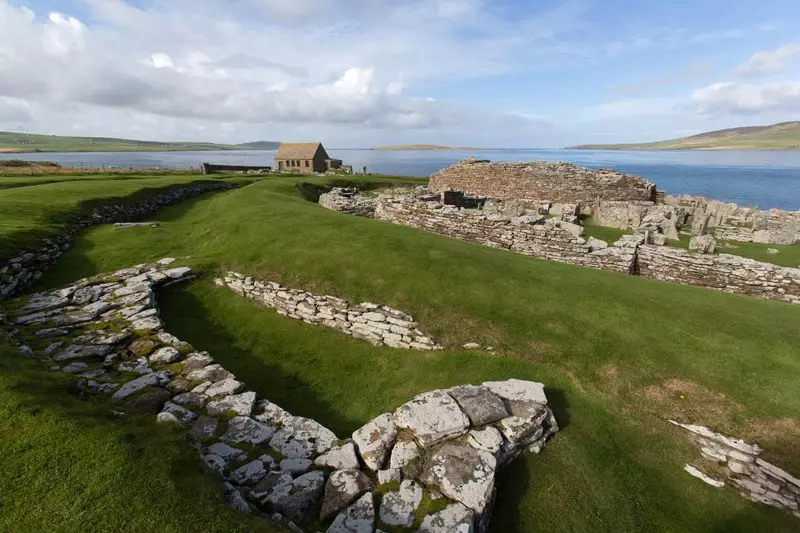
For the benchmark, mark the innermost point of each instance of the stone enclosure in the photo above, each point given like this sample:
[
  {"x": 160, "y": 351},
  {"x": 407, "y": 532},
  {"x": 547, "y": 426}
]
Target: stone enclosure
[
  {"x": 517, "y": 227},
  {"x": 429, "y": 466}
]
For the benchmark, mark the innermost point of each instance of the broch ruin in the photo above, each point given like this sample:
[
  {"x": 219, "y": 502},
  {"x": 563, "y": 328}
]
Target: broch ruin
[
  {"x": 536, "y": 209},
  {"x": 429, "y": 466}
]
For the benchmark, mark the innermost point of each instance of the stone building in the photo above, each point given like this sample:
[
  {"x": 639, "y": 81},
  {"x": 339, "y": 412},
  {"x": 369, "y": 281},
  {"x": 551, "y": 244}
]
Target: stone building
[
  {"x": 305, "y": 158},
  {"x": 541, "y": 181}
]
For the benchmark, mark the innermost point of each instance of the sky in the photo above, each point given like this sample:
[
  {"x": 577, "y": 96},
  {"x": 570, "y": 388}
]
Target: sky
[{"x": 363, "y": 73}]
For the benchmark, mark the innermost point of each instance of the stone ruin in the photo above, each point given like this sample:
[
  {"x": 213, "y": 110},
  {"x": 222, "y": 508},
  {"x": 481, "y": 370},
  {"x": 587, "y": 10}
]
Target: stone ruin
[
  {"x": 377, "y": 324},
  {"x": 757, "y": 480},
  {"x": 429, "y": 466},
  {"x": 549, "y": 231},
  {"x": 541, "y": 181}
]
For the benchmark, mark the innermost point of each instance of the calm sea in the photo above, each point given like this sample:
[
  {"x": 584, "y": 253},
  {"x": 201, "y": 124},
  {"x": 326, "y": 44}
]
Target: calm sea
[{"x": 762, "y": 179}]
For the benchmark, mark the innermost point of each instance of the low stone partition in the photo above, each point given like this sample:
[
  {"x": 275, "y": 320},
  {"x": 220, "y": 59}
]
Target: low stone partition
[
  {"x": 723, "y": 272},
  {"x": 377, "y": 324},
  {"x": 27, "y": 267},
  {"x": 538, "y": 236},
  {"x": 559, "y": 240},
  {"x": 428, "y": 466},
  {"x": 758, "y": 480},
  {"x": 541, "y": 180}
]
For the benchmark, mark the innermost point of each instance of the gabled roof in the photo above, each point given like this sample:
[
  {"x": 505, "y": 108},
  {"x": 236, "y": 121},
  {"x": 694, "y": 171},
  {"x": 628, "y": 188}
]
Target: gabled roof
[{"x": 299, "y": 151}]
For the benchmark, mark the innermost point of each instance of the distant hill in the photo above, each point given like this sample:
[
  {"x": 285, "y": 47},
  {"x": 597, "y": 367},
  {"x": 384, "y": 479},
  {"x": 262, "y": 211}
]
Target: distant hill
[
  {"x": 783, "y": 136},
  {"x": 423, "y": 147},
  {"x": 12, "y": 142},
  {"x": 259, "y": 145}
]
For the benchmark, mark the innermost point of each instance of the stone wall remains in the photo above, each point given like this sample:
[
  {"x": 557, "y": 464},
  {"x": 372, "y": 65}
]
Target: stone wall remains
[
  {"x": 27, "y": 267},
  {"x": 445, "y": 445},
  {"x": 757, "y": 480},
  {"x": 561, "y": 241},
  {"x": 377, "y": 324},
  {"x": 723, "y": 272},
  {"x": 541, "y": 181}
]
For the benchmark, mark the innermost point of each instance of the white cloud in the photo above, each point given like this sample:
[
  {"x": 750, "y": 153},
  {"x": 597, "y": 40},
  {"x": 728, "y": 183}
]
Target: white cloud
[
  {"x": 747, "y": 99},
  {"x": 766, "y": 63}
]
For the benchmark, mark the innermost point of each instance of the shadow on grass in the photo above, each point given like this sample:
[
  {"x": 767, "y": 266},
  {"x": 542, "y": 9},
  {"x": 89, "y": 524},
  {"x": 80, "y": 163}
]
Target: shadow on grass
[{"x": 184, "y": 316}]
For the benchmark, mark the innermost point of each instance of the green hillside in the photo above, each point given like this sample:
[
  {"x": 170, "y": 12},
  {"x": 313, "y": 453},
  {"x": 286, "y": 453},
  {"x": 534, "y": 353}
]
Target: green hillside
[
  {"x": 783, "y": 136},
  {"x": 27, "y": 142}
]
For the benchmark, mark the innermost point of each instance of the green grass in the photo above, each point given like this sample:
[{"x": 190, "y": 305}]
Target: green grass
[
  {"x": 26, "y": 142},
  {"x": 615, "y": 351},
  {"x": 788, "y": 256},
  {"x": 66, "y": 464},
  {"x": 783, "y": 136},
  {"x": 32, "y": 212},
  {"x": 609, "y": 235}
]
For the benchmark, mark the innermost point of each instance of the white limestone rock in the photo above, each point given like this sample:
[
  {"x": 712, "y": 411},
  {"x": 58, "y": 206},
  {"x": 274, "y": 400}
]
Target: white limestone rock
[
  {"x": 137, "y": 366},
  {"x": 358, "y": 518},
  {"x": 303, "y": 438},
  {"x": 165, "y": 356},
  {"x": 339, "y": 458},
  {"x": 343, "y": 488},
  {"x": 296, "y": 466},
  {"x": 77, "y": 351},
  {"x": 404, "y": 452},
  {"x": 196, "y": 361},
  {"x": 191, "y": 399},
  {"x": 249, "y": 474},
  {"x": 267, "y": 485},
  {"x": 692, "y": 471},
  {"x": 156, "y": 379},
  {"x": 374, "y": 440},
  {"x": 212, "y": 373},
  {"x": 298, "y": 499},
  {"x": 462, "y": 473},
  {"x": 480, "y": 404},
  {"x": 74, "y": 368},
  {"x": 242, "y": 429},
  {"x": 390, "y": 475},
  {"x": 522, "y": 398},
  {"x": 241, "y": 404},
  {"x": 175, "y": 414},
  {"x": 270, "y": 413},
  {"x": 432, "y": 417},
  {"x": 397, "y": 507},
  {"x": 455, "y": 518},
  {"x": 224, "y": 388},
  {"x": 204, "y": 428},
  {"x": 488, "y": 439}
]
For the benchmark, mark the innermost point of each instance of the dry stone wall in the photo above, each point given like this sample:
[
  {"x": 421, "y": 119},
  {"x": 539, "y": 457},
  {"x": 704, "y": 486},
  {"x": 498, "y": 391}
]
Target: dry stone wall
[
  {"x": 558, "y": 240},
  {"x": 377, "y": 324},
  {"x": 542, "y": 181},
  {"x": 27, "y": 267},
  {"x": 757, "y": 480},
  {"x": 723, "y": 272},
  {"x": 428, "y": 466}
]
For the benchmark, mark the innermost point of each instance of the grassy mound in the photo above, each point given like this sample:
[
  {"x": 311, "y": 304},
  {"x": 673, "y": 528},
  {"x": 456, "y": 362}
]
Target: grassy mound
[{"x": 619, "y": 354}]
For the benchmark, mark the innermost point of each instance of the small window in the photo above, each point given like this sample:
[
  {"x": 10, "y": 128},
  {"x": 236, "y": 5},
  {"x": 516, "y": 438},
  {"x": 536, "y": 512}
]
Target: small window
[
  {"x": 297, "y": 163},
  {"x": 306, "y": 163}
]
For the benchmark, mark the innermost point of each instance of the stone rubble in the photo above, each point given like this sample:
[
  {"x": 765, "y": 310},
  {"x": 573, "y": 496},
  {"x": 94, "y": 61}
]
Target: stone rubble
[
  {"x": 558, "y": 240},
  {"x": 379, "y": 325},
  {"x": 441, "y": 444},
  {"x": 758, "y": 480}
]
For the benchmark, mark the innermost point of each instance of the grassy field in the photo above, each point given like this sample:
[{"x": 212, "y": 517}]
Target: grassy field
[
  {"x": 619, "y": 354},
  {"x": 783, "y": 136},
  {"x": 788, "y": 256},
  {"x": 28, "y": 142}
]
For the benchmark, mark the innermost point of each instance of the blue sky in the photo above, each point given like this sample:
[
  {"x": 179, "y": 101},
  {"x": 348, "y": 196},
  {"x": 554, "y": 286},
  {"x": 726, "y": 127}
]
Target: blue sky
[{"x": 357, "y": 73}]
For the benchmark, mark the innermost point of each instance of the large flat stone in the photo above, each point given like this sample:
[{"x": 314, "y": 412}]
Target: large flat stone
[
  {"x": 241, "y": 404},
  {"x": 397, "y": 507},
  {"x": 432, "y": 417},
  {"x": 462, "y": 473},
  {"x": 358, "y": 518},
  {"x": 339, "y": 458},
  {"x": 374, "y": 441},
  {"x": 455, "y": 518},
  {"x": 156, "y": 379},
  {"x": 298, "y": 500},
  {"x": 301, "y": 437},
  {"x": 245, "y": 429},
  {"x": 480, "y": 404},
  {"x": 521, "y": 398},
  {"x": 342, "y": 489}
]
